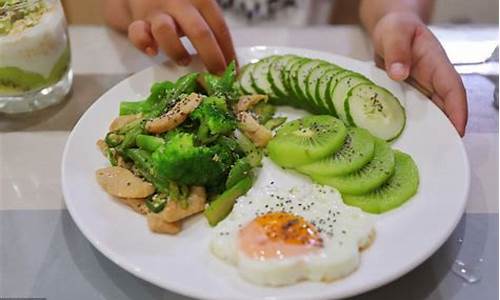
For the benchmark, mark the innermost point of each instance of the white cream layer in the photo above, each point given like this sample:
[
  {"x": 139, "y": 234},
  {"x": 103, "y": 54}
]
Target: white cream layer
[{"x": 36, "y": 49}]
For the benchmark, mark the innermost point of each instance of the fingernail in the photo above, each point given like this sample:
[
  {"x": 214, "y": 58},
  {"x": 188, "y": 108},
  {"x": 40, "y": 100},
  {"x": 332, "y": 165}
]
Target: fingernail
[
  {"x": 150, "y": 51},
  {"x": 184, "y": 61},
  {"x": 399, "y": 71}
]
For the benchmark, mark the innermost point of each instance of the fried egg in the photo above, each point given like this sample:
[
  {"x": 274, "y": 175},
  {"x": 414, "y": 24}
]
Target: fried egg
[{"x": 279, "y": 235}]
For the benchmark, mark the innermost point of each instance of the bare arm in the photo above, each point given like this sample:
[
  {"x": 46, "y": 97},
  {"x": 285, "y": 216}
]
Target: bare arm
[{"x": 406, "y": 47}]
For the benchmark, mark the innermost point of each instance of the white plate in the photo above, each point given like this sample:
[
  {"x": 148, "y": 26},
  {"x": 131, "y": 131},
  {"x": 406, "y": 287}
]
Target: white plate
[{"x": 405, "y": 237}]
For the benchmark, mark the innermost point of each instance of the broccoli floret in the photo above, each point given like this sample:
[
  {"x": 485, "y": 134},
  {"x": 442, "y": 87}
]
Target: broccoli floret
[
  {"x": 180, "y": 160},
  {"x": 214, "y": 119}
]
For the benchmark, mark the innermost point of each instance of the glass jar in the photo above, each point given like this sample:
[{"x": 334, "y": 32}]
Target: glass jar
[{"x": 35, "y": 58}]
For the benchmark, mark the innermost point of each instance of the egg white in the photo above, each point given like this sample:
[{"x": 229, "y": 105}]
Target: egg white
[{"x": 345, "y": 230}]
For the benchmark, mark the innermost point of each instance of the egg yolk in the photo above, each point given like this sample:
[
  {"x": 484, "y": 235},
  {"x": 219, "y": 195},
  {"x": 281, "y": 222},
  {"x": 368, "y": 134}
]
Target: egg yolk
[{"x": 279, "y": 235}]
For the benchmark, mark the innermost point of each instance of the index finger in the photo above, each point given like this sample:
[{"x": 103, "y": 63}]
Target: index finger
[
  {"x": 199, "y": 33},
  {"x": 210, "y": 10}
]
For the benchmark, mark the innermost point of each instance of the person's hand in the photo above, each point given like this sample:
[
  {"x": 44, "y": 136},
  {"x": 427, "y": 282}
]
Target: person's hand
[
  {"x": 159, "y": 25},
  {"x": 408, "y": 48}
]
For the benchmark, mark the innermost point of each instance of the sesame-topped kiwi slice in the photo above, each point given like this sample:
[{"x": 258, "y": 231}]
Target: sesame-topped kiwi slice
[
  {"x": 400, "y": 187},
  {"x": 366, "y": 179},
  {"x": 357, "y": 151},
  {"x": 305, "y": 140}
]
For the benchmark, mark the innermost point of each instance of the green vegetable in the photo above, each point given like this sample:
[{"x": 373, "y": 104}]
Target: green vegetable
[
  {"x": 254, "y": 154},
  {"x": 125, "y": 137},
  {"x": 148, "y": 142},
  {"x": 112, "y": 156},
  {"x": 264, "y": 112},
  {"x": 162, "y": 94},
  {"x": 275, "y": 123},
  {"x": 180, "y": 160},
  {"x": 239, "y": 171},
  {"x": 113, "y": 139},
  {"x": 130, "y": 136},
  {"x": 221, "y": 206},
  {"x": 143, "y": 163},
  {"x": 185, "y": 85},
  {"x": 223, "y": 85},
  {"x": 159, "y": 91},
  {"x": 156, "y": 203},
  {"x": 214, "y": 119}
]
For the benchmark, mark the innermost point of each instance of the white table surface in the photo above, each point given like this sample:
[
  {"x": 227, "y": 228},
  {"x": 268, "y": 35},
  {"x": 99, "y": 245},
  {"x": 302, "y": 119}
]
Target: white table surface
[{"x": 39, "y": 243}]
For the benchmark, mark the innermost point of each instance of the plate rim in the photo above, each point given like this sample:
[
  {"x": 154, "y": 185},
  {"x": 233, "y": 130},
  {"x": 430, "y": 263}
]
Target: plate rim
[{"x": 179, "y": 289}]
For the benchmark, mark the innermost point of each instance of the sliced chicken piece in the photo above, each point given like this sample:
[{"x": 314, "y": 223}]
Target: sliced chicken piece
[
  {"x": 120, "y": 182},
  {"x": 173, "y": 211},
  {"x": 248, "y": 101},
  {"x": 136, "y": 204},
  {"x": 103, "y": 147},
  {"x": 157, "y": 224},
  {"x": 121, "y": 121},
  {"x": 256, "y": 132},
  {"x": 176, "y": 115}
]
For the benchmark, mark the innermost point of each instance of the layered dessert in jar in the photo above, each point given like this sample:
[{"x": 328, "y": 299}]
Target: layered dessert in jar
[{"x": 34, "y": 48}]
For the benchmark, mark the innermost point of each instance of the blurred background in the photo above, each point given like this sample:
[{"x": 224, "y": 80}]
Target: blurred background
[{"x": 304, "y": 12}]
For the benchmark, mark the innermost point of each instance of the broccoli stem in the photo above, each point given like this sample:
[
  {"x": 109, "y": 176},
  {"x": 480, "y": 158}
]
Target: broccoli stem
[
  {"x": 113, "y": 139},
  {"x": 254, "y": 155},
  {"x": 221, "y": 206},
  {"x": 148, "y": 142},
  {"x": 240, "y": 170},
  {"x": 135, "y": 107},
  {"x": 129, "y": 139},
  {"x": 159, "y": 91},
  {"x": 143, "y": 162}
]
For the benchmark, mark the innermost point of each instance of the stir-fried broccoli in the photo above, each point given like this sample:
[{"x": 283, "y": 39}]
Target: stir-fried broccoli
[
  {"x": 182, "y": 161},
  {"x": 204, "y": 150},
  {"x": 214, "y": 119}
]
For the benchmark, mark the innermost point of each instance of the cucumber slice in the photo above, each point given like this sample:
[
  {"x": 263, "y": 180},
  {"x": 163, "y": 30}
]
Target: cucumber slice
[
  {"x": 322, "y": 88},
  {"x": 302, "y": 73},
  {"x": 286, "y": 71},
  {"x": 312, "y": 82},
  {"x": 260, "y": 79},
  {"x": 274, "y": 76},
  {"x": 377, "y": 110},
  {"x": 291, "y": 79},
  {"x": 338, "y": 92},
  {"x": 245, "y": 80},
  {"x": 301, "y": 81}
]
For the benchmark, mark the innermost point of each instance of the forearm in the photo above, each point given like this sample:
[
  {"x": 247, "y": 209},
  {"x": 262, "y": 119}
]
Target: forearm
[{"x": 371, "y": 11}]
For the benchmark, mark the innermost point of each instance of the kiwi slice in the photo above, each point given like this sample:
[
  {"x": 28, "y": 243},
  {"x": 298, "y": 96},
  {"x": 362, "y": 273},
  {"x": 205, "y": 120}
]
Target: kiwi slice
[
  {"x": 357, "y": 151},
  {"x": 369, "y": 177},
  {"x": 400, "y": 187},
  {"x": 305, "y": 140}
]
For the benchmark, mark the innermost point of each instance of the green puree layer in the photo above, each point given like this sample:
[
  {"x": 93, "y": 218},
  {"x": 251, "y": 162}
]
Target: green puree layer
[{"x": 16, "y": 80}]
